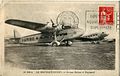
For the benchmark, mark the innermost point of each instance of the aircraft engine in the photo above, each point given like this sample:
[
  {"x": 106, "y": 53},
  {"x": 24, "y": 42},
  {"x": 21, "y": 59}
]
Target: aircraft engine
[{"x": 59, "y": 27}]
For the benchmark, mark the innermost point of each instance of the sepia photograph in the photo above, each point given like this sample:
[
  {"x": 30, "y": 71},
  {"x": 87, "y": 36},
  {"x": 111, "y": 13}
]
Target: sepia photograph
[{"x": 61, "y": 35}]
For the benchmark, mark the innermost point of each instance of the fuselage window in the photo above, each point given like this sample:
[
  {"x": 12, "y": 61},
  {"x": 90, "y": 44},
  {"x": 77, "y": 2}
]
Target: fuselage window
[
  {"x": 24, "y": 40},
  {"x": 32, "y": 38},
  {"x": 42, "y": 37},
  {"x": 27, "y": 39},
  {"x": 36, "y": 38},
  {"x": 95, "y": 34},
  {"x": 60, "y": 34},
  {"x": 65, "y": 34}
]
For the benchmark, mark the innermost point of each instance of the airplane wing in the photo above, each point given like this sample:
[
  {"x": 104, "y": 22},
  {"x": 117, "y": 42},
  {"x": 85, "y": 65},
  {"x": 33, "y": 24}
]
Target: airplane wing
[{"x": 25, "y": 24}]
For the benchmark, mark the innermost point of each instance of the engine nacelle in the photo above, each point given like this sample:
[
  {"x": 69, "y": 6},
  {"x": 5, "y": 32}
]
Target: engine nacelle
[{"x": 59, "y": 27}]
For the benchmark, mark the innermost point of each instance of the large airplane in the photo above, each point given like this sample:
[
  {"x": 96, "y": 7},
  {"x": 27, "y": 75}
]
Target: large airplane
[
  {"x": 53, "y": 34},
  {"x": 50, "y": 33}
]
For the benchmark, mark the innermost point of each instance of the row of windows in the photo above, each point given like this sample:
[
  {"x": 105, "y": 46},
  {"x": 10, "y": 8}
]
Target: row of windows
[
  {"x": 30, "y": 39},
  {"x": 35, "y": 38},
  {"x": 41, "y": 37},
  {"x": 91, "y": 35},
  {"x": 62, "y": 34}
]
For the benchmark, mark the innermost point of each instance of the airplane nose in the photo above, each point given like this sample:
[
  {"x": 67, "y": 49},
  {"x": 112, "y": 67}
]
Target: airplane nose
[{"x": 104, "y": 34}]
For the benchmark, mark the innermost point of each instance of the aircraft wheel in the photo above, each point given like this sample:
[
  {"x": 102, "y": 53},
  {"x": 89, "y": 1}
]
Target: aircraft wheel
[
  {"x": 93, "y": 42},
  {"x": 98, "y": 42},
  {"x": 68, "y": 43},
  {"x": 54, "y": 44}
]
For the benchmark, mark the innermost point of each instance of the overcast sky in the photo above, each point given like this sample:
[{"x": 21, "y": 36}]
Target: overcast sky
[{"x": 43, "y": 12}]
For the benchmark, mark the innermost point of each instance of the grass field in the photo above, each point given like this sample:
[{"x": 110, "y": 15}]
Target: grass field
[{"x": 79, "y": 56}]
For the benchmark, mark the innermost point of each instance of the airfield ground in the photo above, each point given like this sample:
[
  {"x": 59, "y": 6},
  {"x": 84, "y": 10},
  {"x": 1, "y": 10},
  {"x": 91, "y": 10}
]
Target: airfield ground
[{"x": 79, "y": 56}]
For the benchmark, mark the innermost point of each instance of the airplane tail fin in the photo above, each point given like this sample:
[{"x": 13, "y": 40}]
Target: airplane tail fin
[{"x": 16, "y": 34}]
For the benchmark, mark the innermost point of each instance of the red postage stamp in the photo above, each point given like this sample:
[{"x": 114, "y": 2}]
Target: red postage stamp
[{"x": 106, "y": 15}]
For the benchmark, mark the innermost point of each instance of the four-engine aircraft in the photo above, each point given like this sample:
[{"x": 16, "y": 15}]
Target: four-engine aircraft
[{"x": 50, "y": 33}]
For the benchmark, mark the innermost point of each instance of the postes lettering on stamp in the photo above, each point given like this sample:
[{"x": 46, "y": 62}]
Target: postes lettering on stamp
[{"x": 106, "y": 15}]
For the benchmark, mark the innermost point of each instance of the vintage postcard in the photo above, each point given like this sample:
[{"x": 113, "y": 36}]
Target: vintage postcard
[{"x": 59, "y": 38}]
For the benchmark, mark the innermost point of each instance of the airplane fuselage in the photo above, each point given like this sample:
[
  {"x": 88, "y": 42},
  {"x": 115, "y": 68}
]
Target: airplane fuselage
[
  {"x": 93, "y": 37},
  {"x": 68, "y": 34}
]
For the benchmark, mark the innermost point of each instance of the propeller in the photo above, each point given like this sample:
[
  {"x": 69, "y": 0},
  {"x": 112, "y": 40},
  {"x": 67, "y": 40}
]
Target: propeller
[
  {"x": 59, "y": 26},
  {"x": 53, "y": 24}
]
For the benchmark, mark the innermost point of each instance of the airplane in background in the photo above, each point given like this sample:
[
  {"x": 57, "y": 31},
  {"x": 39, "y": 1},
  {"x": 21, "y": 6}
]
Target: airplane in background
[
  {"x": 54, "y": 34},
  {"x": 94, "y": 37}
]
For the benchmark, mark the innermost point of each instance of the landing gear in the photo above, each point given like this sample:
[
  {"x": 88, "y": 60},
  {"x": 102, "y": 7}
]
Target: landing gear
[
  {"x": 92, "y": 42},
  {"x": 55, "y": 43},
  {"x": 95, "y": 42},
  {"x": 68, "y": 43}
]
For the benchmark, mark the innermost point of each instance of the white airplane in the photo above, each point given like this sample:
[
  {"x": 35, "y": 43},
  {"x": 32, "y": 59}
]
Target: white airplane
[
  {"x": 50, "y": 33},
  {"x": 94, "y": 37}
]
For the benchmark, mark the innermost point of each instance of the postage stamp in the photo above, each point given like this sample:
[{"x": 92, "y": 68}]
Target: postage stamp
[{"x": 106, "y": 15}]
